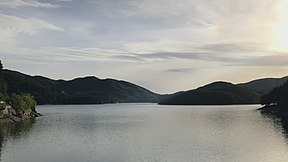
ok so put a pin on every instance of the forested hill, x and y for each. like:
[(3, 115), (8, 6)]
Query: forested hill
[(92, 90), (276, 104), (277, 97), (87, 90), (217, 93), (224, 93), (264, 85)]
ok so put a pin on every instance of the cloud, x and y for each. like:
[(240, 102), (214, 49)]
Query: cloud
[(25, 25), (11, 27), (180, 70), (25, 3), (8, 41), (63, 54), (224, 21), (167, 8), (198, 40), (173, 55), (208, 57), (280, 60), (229, 47)]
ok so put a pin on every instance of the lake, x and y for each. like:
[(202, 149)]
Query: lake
[(145, 132)]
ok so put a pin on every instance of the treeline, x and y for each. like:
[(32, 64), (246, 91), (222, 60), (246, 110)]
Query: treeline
[(87, 90), (19, 102), (217, 93), (278, 96)]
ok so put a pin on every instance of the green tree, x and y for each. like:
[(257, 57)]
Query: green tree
[(22, 103)]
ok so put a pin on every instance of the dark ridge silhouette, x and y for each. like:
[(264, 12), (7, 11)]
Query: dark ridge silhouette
[(2, 84), (276, 101), (217, 93), (92, 90), (265, 85), (276, 106), (87, 90)]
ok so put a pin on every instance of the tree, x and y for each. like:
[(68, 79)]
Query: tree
[(1, 66), (278, 96), (2, 84), (22, 103)]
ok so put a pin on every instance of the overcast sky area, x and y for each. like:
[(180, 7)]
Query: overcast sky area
[(164, 45)]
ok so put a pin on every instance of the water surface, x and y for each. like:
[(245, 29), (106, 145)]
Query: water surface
[(145, 132)]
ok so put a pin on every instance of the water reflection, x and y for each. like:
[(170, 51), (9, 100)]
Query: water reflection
[(14, 130), (280, 122), (136, 132), (284, 122)]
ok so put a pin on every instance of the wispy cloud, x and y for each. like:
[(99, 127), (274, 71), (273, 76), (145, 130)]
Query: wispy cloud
[(25, 3), (24, 25), (196, 40), (179, 70), (13, 27), (63, 54), (278, 60)]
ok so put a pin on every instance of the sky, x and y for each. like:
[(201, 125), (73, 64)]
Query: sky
[(164, 45)]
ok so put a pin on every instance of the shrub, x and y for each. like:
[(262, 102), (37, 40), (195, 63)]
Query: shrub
[(22, 103)]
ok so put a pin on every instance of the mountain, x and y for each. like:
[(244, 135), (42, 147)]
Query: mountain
[(265, 85), (87, 90), (277, 97), (276, 105), (217, 93), (92, 90), (223, 93)]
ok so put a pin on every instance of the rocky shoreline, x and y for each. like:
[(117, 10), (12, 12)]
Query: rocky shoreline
[(8, 115)]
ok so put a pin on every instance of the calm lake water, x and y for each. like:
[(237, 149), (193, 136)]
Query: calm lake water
[(145, 132)]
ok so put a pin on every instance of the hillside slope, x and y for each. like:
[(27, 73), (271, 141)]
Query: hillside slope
[(88, 90), (264, 85), (217, 93)]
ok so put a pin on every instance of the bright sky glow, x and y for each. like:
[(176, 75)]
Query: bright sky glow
[(281, 31)]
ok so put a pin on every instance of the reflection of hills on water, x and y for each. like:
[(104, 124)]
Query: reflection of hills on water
[(14, 130), (279, 120), (284, 123)]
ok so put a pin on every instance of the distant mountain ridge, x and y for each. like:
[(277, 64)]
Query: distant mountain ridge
[(224, 93), (264, 85), (216, 93), (92, 90), (87, 90)]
